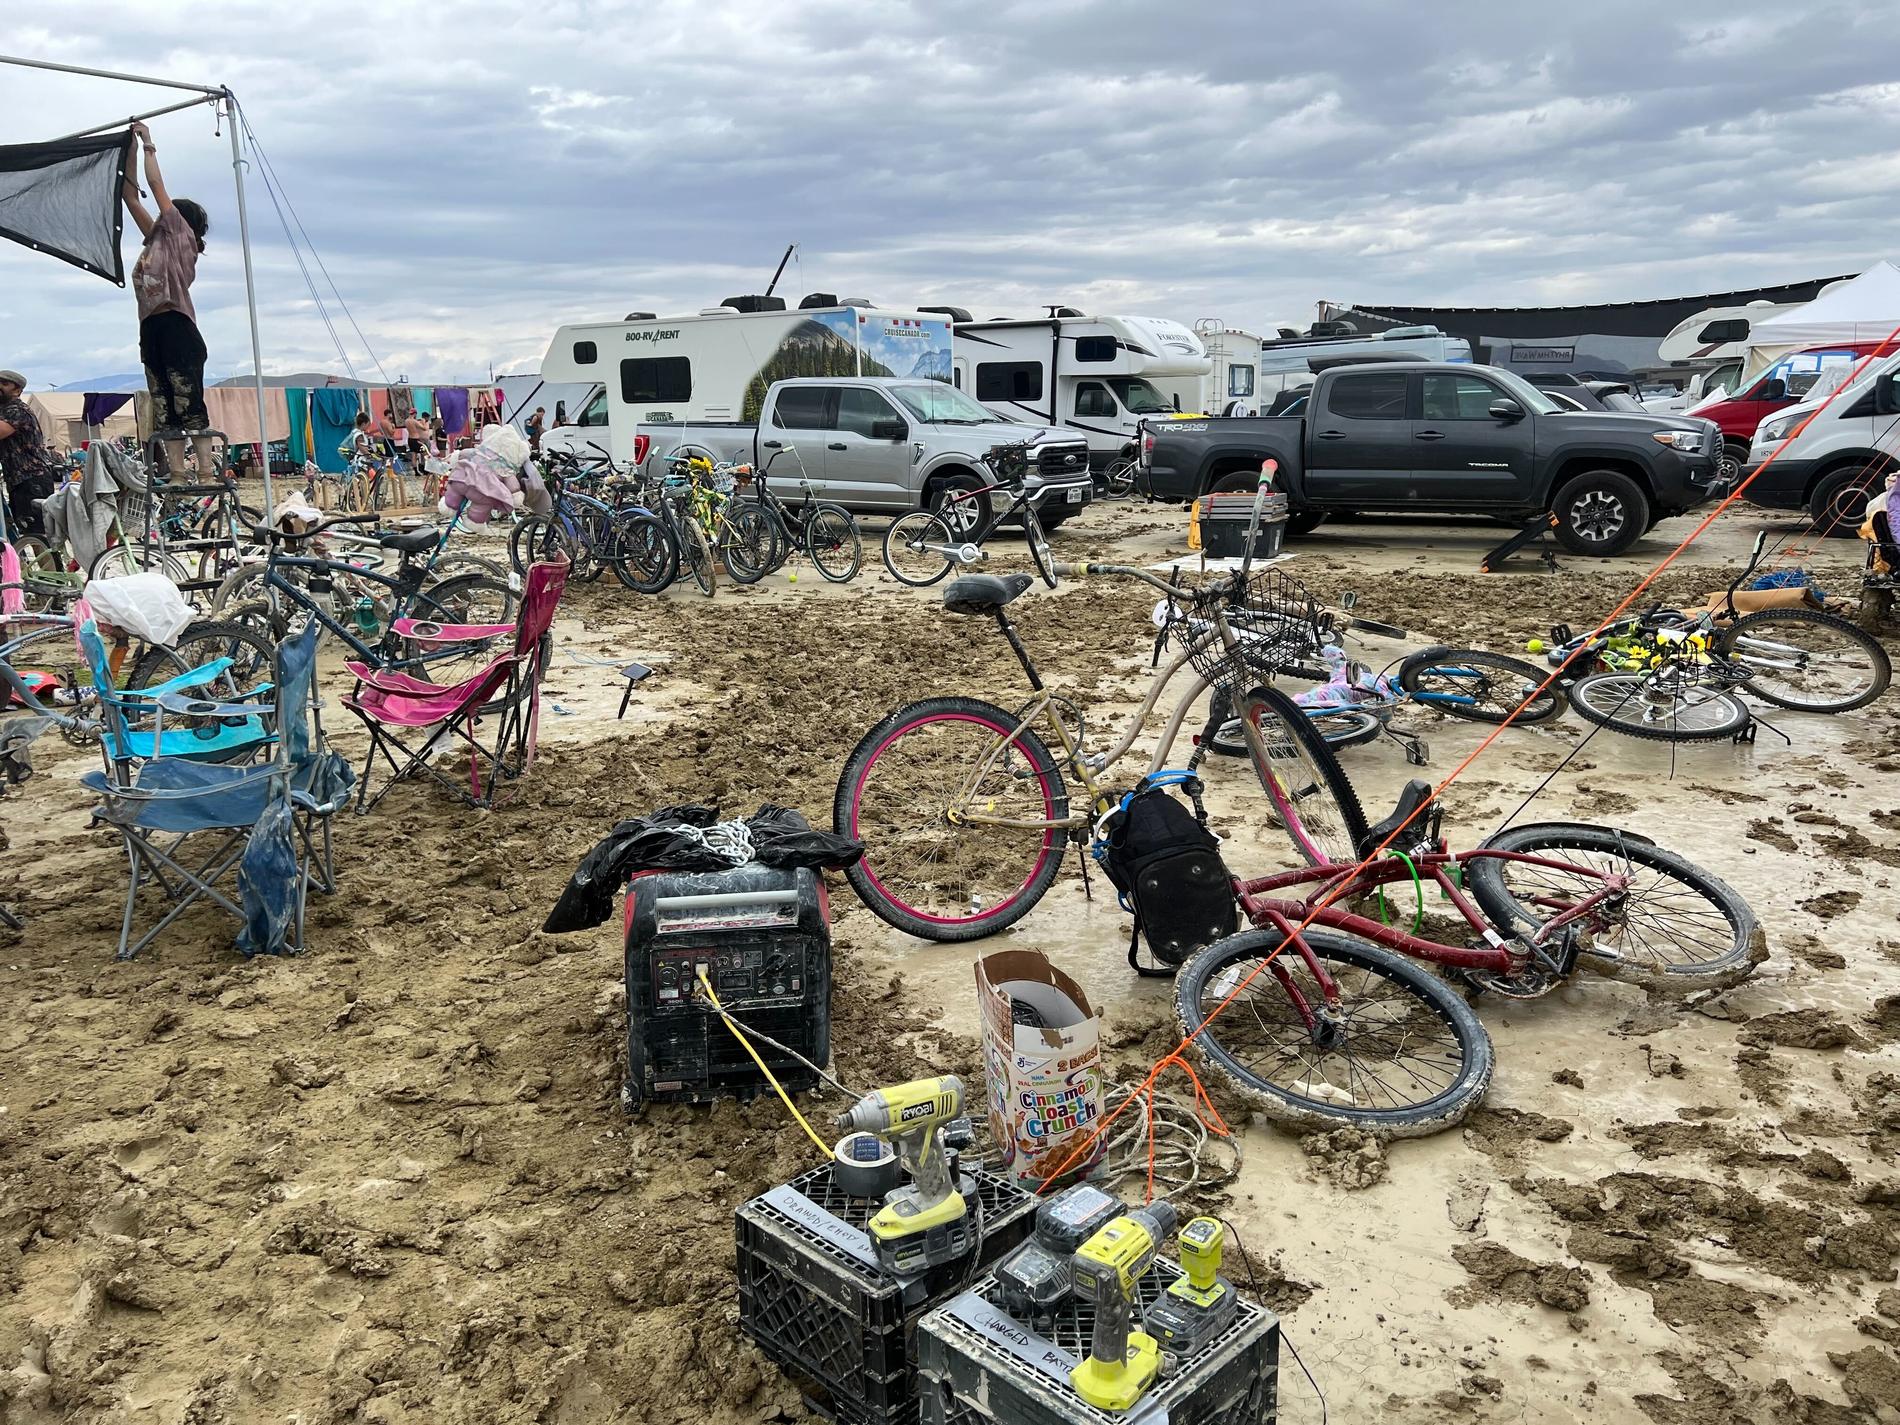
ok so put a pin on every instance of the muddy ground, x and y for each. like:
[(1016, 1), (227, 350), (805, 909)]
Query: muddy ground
[(389, 1181)]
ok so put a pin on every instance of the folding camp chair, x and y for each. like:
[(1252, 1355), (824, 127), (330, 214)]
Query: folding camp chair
[(159, 803), (390, 704), (235, 736)]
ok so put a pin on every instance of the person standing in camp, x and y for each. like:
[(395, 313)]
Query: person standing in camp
[(420, 439), (537, 423), (172, 351), (29, 474), (440, 435)]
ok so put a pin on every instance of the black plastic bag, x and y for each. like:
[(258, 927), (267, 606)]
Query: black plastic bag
[(664, 841)]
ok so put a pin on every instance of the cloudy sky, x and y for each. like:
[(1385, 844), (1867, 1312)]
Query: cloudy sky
[(473, 174)]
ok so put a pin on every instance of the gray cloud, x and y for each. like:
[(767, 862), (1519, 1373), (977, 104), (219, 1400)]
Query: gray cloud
[(474, 174)]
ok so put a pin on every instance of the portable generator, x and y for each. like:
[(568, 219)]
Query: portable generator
[(762, 939)]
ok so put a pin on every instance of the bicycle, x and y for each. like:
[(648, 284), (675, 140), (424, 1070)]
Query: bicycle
[(1671, 676), (827, 532), (740, 532), (595, 534), (922, 546)]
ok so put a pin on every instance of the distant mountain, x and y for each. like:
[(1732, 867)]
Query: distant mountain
[(123, 381), (932, 365), (810, 349)]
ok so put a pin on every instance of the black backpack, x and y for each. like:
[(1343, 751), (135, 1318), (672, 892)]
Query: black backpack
[(1168, 868)]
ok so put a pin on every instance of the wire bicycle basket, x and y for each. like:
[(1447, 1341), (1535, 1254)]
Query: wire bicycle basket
[(1275, 621)]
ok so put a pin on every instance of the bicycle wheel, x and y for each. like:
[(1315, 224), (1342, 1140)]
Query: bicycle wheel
[(468, 598), (931, 875), (51, 662), (1485, 687), (746, 541), (592, 538), (1400, 1052), (1658, 706), (1676, 925), (913, 549), (136, 557), (1807, 660), (1312, 798), (1039, 546), (46, 581), (251, 670), (645, 556), (696, 556), (833, 544), (537, 538), (1119, 478), (1343, 727)]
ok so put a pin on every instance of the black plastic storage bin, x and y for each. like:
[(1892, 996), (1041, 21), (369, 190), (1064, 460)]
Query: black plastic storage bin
[(977, 1366), (765, 942), (835, 1321), (1224, 521)]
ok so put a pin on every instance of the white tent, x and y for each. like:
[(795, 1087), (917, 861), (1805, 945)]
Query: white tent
[(63, 422), (1865, 309)]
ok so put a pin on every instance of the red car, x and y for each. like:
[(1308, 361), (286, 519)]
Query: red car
[(1782, 384)]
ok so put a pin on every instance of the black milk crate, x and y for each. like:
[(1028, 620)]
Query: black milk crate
[(764, 940), (1224, 521), (978, 1366), (813, 1298)]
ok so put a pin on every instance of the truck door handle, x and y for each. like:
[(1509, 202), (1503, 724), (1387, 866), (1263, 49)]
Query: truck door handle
[(1429, 435), (774, 445), (837, 445), (1332, 435)]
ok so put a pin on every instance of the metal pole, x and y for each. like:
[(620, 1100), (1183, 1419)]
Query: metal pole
[(250, 299), (206, 89), (135, 118)]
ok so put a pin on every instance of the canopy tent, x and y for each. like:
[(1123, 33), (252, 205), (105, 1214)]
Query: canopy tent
[(1866, 309), (62, 418)]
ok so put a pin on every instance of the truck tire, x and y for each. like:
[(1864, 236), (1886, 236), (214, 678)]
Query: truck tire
[(1839, 497), (1728, 465), (1304, 522), (963, 516), (1600, 512)]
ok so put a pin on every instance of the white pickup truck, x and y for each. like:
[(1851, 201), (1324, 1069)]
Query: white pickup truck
[(885, 445)]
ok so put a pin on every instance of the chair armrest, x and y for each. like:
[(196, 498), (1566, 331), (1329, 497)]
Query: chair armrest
[(184, 705), (428, 631), (196, 678)]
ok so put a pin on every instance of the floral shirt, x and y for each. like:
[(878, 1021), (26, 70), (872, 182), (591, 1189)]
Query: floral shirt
[(23, 454)]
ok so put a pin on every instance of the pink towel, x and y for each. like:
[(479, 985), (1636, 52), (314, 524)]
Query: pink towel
[(12, 594)]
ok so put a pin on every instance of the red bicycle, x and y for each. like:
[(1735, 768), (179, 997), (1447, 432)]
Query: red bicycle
[(1327, 1025)]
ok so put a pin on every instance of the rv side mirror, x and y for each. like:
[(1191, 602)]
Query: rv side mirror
[(1887, 394), (889, 430), (1505, 409)]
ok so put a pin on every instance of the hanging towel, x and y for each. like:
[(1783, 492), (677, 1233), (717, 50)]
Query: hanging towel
[(297, 400), (425, 400), (332, 418), (401, 403), (233, 410), (99, 406), (451, 403), (376, 402)]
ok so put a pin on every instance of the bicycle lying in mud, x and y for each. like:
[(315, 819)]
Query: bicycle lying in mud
[(965, 813)]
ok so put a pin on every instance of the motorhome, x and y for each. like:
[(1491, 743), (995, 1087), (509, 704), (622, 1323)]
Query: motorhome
[(1096, 375), (1715, 334), (1231, 386), (715, 365)]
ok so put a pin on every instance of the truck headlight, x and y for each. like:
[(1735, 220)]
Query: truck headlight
[(1678, 439), (1777, 429)]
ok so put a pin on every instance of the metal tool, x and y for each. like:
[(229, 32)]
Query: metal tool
[(1198, 1307), (926, 1222), (1035, 1278), (1121, 1364)]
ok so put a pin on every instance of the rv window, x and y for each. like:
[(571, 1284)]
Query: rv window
[(1376, 396), (656, 378), (585, 353), (1138, 398), (1733, 329), (1009, 381), (596, 412), (859, 408), (803, 407), (1240, 380), (1095, 348), (956, 378), (1466, 398), (1092, 399)]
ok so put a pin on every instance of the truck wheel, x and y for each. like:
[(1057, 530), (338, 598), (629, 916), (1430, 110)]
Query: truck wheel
[(1728, 465), (1838, 500), (1600, 512), (963, 516), (1304, 521)]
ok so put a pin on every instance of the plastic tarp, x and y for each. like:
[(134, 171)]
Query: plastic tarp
[(1866, 309), (62, 199)]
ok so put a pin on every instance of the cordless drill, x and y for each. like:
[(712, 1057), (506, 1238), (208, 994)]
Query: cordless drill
[(1121, 1364), (926, 1222), (1196, 1307)]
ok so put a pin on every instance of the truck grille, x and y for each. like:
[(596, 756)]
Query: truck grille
[(1054, 460)]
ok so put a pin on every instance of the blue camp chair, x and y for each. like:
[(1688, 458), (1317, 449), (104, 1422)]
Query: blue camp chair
[(159, 803), (234, 738)]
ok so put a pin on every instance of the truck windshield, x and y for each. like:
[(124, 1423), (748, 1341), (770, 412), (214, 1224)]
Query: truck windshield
[(1138, 398), (1527, 395), (937, 404)]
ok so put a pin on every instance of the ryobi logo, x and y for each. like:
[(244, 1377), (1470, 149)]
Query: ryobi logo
[(917, 1110)]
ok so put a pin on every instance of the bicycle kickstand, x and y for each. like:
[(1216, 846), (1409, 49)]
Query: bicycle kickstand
[(1416, 752)]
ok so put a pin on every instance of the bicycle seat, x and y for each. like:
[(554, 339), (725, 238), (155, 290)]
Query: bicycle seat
[(414, 542), (1411, 798), (984, 593)]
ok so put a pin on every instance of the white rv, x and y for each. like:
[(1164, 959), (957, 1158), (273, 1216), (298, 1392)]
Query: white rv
[(1097, 375), (716, 364), (1231, 386)]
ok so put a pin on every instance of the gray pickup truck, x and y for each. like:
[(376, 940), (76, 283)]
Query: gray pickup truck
[(1449, 438), (886, 445)]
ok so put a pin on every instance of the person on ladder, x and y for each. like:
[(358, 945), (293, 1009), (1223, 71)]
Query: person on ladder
[(170, 348)]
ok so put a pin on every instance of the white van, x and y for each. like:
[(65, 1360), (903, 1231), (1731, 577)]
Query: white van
[(1839, 459), (1096, 375), (715, 365)]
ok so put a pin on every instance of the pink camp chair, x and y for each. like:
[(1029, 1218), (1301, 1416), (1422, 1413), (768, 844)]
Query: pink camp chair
[(394, 706)]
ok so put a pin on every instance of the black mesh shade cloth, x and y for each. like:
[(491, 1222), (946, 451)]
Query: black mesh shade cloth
[(62, 198)]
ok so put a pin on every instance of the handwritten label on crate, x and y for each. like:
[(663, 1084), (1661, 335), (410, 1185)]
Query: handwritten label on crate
[(854, 1242), (1041, 1356)]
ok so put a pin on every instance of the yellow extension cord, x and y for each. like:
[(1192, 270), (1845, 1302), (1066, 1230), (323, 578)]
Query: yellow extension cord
[(824, 1148)]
